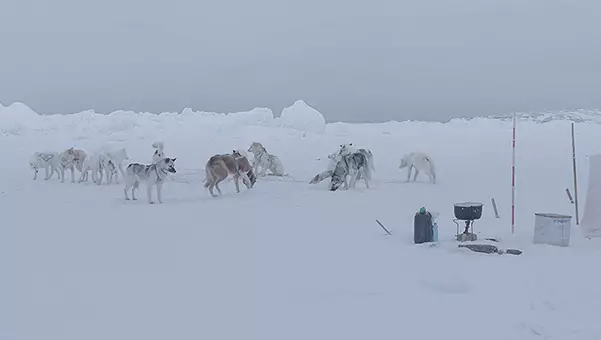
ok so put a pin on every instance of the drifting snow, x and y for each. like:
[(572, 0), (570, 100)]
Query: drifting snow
[(289, 260)]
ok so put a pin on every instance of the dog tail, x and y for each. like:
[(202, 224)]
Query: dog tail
[(370, 160), (158, 145), (208, 176), (321, 176)]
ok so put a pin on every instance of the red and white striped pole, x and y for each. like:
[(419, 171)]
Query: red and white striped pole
[(513, 181)]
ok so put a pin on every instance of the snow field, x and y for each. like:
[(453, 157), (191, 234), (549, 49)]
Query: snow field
[(289, 260)]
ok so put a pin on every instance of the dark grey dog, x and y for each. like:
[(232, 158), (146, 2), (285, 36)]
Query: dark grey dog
[(354, 164)]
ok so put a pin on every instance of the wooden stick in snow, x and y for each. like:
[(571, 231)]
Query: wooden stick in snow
[(383, 227), (569, 196), (494, 206)]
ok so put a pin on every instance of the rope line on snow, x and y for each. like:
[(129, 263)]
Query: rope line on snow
[(192, 176)]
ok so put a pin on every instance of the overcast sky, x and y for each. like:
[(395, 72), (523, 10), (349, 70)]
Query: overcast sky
[(373, 60)]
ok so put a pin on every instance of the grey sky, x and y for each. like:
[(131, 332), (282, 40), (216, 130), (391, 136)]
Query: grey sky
[(352, 60)]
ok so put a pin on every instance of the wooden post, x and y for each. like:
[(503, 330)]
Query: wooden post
[(513, 180), (494, 206), (575, 176)]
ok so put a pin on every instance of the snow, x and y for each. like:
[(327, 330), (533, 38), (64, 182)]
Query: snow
[(289, 260), (303, 117)]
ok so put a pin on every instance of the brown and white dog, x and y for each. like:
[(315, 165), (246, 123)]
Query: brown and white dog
[(244, 165), (219, 167)]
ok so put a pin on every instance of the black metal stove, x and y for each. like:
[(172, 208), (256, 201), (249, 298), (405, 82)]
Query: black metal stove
[(467, 212)]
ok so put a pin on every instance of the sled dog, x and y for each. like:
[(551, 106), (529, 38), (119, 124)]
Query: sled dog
[(245, 166), (354, 164), (265, 160), (346, 149), (158, 153), (46, 160), (218, 168), (152, 174), (98, 164), (70, 159), (118, 157), (321, 176), (421, 162)]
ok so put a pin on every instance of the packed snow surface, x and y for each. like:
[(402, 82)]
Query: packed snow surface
[(302, 117), (286, 259)]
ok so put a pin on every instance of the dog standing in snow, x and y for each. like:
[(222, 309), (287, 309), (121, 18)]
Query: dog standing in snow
[(118, 157), (244, 166), (153, 175), (265, 160), (98, 164), (158, 153), (346, 149), (218, 168), (46, 160), (70, 159), (421, 162), (354, 164)]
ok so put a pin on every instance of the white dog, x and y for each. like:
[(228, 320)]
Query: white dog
[(46, 160), (99, 164), (265, 160), (153, 174), (158, 153), (118, 157), (70, 159), (421, 162)]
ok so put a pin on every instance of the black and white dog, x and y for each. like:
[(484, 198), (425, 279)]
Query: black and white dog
[(346, 149), (153, 174), (354, 164)]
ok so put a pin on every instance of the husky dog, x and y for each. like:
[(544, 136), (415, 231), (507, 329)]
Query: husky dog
[(244, 166), (80, 157), (421, 162), (118, 157), (354, 164), (153, 174), (265, 160), (69, 159), (46, 160), (158, 153), (98, 164), (321, 176), (218, 168), (346, 149)]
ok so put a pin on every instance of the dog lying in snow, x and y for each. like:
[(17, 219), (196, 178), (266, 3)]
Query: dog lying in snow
[(153, 175), (47, 160), (219, 167), (158, 153), (421, 162), (265, 160), (99, 164)]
